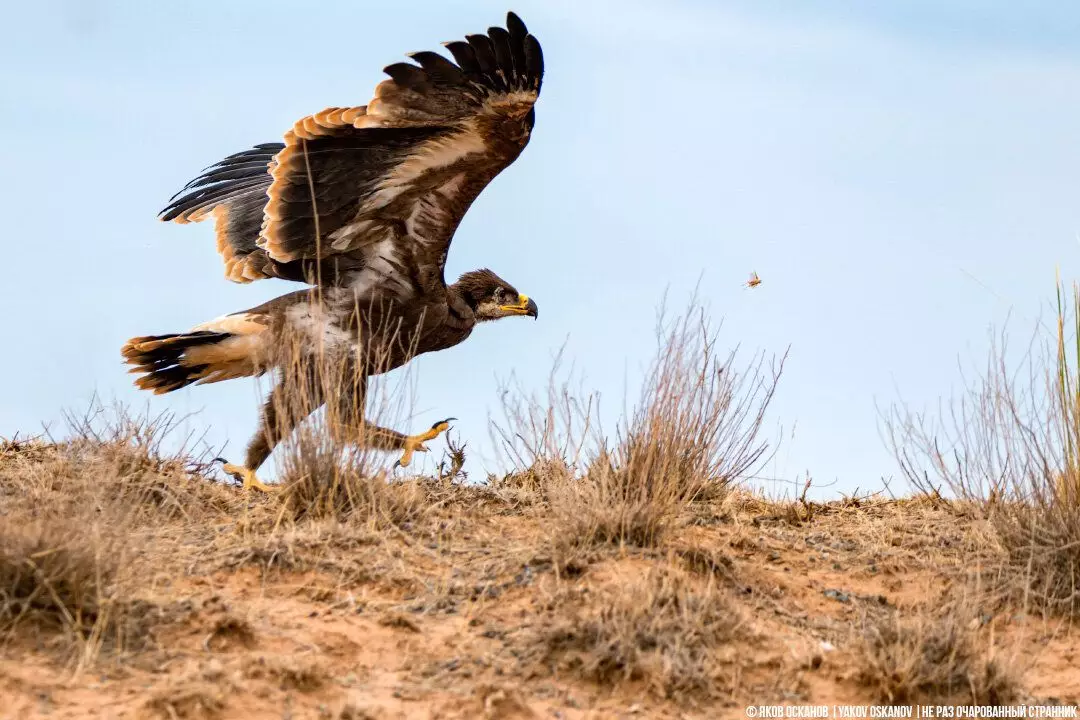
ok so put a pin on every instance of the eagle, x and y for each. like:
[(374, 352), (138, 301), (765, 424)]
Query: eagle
[(360, 205)]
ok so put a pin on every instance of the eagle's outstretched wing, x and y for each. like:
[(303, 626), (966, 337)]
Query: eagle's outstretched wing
[(378, 189)]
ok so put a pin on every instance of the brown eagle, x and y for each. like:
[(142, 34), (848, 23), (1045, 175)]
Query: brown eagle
[(359, 203)]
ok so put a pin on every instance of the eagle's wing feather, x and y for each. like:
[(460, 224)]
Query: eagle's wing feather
[(377, 189), (388, 183), (233, 192)]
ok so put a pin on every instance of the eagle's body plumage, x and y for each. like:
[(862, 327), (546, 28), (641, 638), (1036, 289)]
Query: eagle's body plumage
[(361, 203)]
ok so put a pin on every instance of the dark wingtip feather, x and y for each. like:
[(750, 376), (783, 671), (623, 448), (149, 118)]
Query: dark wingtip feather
[(406, 75), (438, 68), (517, 33), (534, 61), (515, 25), (464, 55), (485, 56), (504, 55)]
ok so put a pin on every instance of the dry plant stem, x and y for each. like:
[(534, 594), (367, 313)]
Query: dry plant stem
[(695, 427), (931, 657), (1008, 448)]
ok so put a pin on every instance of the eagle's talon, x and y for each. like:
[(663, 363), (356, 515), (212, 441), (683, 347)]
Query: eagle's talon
[(415, 443), (246, 476)]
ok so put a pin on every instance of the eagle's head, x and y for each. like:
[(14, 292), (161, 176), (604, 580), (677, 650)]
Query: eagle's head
[(491, 297)]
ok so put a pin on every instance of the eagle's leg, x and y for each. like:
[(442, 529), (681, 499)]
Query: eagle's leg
[(380, 438), (273, 426), (415, 443), (247, 476)]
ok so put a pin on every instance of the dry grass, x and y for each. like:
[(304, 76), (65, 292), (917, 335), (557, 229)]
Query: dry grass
[(695, 428), (188, 699), (59, 579), (303, 674), (664, 629), (1008, 448), (112, 463), (932, 657), (77, 515)]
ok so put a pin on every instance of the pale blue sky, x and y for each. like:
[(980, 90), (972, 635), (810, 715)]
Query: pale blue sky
[(901, 175)]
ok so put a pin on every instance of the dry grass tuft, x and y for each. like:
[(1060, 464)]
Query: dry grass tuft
[(532, 484), (706, 561), (1009, 449), (53, 577), (662, 629), (111, 463), (80, 513), (66, 579), (190, 699), (300, 673), (931, 659), (338, 487), (694, 430)]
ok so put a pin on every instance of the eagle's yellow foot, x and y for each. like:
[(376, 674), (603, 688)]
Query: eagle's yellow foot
[(415, 443), (246, 476)]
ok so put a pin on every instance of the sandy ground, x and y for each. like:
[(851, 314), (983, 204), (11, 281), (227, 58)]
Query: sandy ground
[(471, 609)]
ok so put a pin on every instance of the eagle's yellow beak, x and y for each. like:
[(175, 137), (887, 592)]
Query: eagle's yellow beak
[(525, 306)]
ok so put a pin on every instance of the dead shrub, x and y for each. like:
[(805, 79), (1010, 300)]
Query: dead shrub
[(335, 485), (694, 429), (931, 659), (300, 673), (533, 483), (115, 463), (1009, 448), (662, 629), (67, 580)]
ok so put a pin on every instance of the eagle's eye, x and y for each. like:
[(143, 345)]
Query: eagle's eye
[(500, 296)]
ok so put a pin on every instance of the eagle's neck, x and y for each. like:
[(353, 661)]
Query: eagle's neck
[(461, 303)]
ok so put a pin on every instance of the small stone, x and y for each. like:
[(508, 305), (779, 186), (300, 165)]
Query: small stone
[(838, 595)]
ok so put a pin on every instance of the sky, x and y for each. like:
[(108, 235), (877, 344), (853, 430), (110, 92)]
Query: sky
[(903, 175)]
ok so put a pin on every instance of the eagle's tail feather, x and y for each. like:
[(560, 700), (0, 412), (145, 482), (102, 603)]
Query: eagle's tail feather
[(170, 362)]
